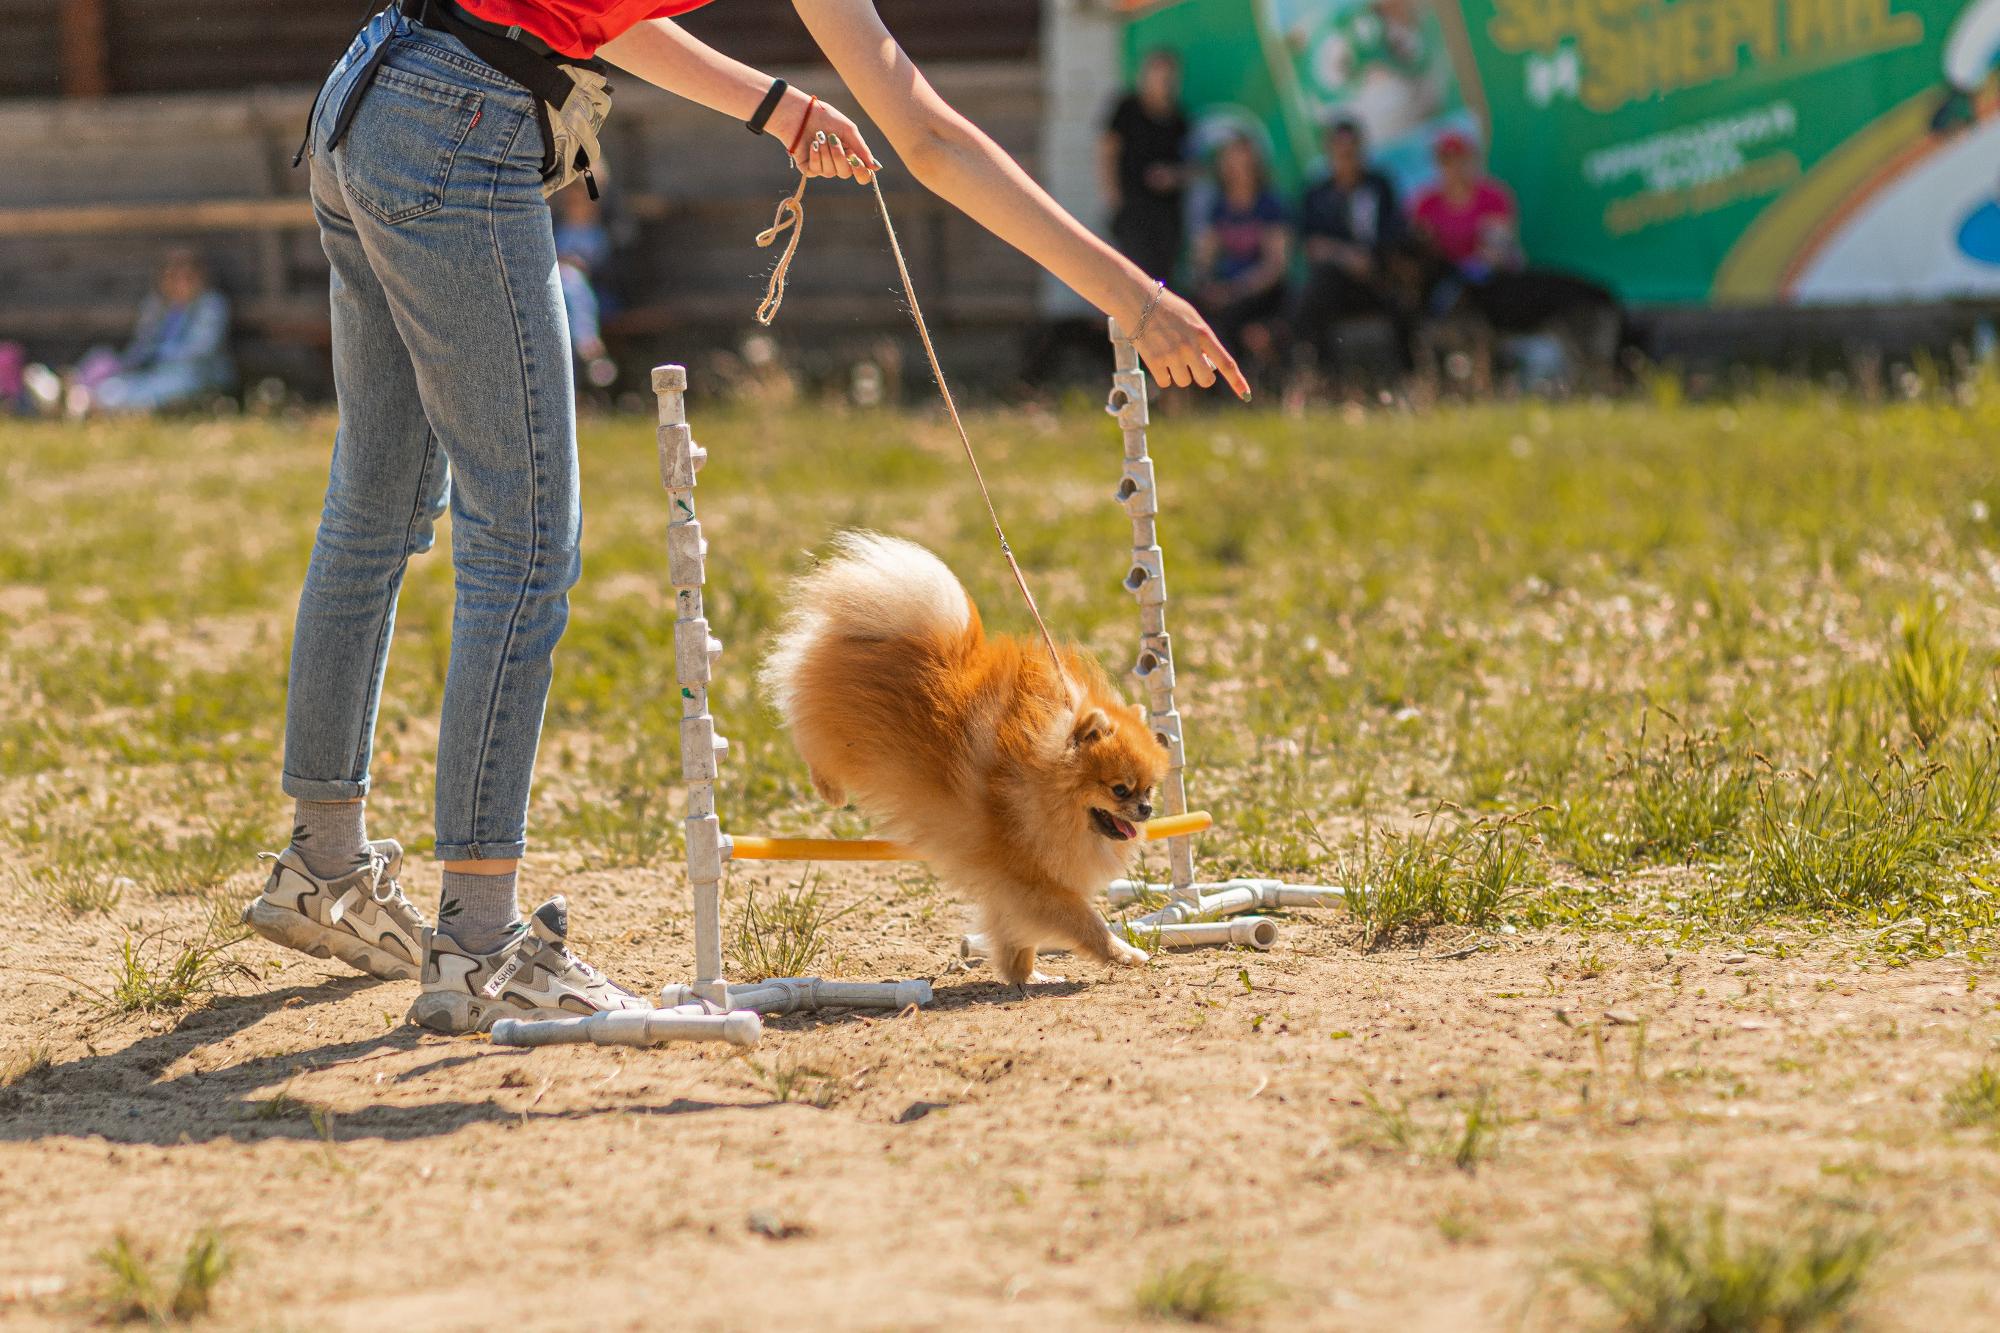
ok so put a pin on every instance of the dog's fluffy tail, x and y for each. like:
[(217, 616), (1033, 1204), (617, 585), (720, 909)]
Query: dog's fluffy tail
[(872, 588)]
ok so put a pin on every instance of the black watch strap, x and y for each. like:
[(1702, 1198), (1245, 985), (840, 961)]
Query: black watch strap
[(757, 122)]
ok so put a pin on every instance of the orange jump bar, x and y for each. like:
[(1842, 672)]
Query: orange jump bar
[(747, 848)]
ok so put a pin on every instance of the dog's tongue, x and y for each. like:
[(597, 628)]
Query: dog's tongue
[(1125, 827)]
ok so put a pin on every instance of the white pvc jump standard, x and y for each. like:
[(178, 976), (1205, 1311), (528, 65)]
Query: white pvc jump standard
[(710, 1009), (1189, 916), (708, 848)]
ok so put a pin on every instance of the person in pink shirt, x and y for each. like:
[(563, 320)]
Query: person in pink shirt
[(1468, 218), (1469, 224)]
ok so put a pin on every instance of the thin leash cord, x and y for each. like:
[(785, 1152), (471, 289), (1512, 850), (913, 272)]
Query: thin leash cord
[(792, 215)]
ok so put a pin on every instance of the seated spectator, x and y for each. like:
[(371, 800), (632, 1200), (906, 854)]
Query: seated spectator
[(583, 248), (1566, 324), (1143, 168), (1241, 254), (179, 352), (1353, 237), (1467, 218)]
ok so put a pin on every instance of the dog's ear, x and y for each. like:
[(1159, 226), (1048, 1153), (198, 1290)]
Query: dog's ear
[(1091, 727)]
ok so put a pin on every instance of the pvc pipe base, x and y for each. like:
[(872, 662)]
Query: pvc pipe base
[(631, 1027), (1246, 932), (1191, 922), (792, 995), (1235, 895), (1249, 932)]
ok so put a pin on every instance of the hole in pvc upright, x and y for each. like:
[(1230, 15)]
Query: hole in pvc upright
[(1149, 662), (1137, 578), (1127, 489), (1117, 401)]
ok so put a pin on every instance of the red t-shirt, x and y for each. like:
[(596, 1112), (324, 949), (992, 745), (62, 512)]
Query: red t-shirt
[(576, 27), (1458, 230)]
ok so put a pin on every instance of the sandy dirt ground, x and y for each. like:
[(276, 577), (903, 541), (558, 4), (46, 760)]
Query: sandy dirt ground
[(998, 1161)]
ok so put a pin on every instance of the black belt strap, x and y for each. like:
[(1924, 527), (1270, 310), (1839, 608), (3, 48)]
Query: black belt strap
[(518, 57), (539, 74)]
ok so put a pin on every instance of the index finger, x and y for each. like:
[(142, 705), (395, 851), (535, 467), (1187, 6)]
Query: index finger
[(1218, 355)]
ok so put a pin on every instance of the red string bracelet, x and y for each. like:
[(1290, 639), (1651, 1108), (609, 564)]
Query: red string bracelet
[(804, 121)]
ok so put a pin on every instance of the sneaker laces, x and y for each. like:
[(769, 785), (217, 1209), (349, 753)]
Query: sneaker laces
[(591, 976), (385, 891), (388, 890)]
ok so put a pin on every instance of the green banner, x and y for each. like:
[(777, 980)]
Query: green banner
[(1681, 151)]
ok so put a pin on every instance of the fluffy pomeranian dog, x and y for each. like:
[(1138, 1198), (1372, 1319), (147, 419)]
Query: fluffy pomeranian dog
[(1023, 787)]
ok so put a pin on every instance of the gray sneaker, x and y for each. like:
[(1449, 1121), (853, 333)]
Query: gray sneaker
[(532, 975), (362, 918)]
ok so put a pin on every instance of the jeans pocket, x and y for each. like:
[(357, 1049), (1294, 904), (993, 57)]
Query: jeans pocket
[(398, 154)]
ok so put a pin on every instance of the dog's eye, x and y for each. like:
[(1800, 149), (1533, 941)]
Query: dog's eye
[(1121, 791)]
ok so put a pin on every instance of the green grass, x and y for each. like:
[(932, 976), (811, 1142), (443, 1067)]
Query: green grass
[(1209, 1290), (1707, 1273), (784, 934), (790, 1078), (1704, 644), (1928, 672), (1975, 1102), (23, 1065), (1462, 1137), (136, 1288), (1448, 870), (77, 890), (154, 974)]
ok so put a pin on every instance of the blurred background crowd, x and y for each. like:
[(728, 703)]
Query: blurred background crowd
[(1350, 276), (1368, 198)]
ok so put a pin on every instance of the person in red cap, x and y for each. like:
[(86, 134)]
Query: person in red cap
[(1470, 225), (1467, 217)]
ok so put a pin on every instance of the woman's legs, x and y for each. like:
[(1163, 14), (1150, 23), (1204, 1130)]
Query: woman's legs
[(387, 485), (475, 295), (450, 344), (451, 349)]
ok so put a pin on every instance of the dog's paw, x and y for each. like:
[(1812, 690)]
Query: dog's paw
[(1043, 979), (1126, 955)]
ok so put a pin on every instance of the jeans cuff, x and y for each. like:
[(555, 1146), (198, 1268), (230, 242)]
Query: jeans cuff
[(324, 789), (480, 851)]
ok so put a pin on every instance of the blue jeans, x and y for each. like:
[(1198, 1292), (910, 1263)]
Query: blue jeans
[(452, 369), (168, 384)]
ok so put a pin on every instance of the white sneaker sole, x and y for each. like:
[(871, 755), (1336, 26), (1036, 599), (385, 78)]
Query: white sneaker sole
[(281, 925), (456, 1012)]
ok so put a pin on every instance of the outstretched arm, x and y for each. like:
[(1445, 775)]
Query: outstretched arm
[(952, 157)]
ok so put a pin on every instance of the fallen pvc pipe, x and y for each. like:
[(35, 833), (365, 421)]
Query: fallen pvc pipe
[(1251, 932), (1236, 895), (631, 1027), (1240, 897), (791, 995), (747, 847)]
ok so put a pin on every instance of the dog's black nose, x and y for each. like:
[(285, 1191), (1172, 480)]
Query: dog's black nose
[(1145, 810)]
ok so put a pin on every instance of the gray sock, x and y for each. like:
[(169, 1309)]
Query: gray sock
[(331, 837), (478, 912)]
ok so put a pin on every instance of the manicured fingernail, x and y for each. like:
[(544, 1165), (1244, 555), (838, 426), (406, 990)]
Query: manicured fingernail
[(1245, 395)]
